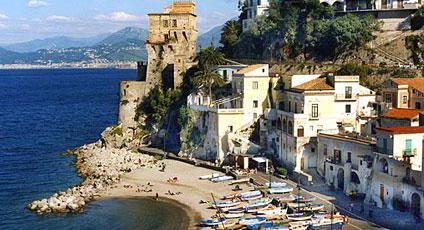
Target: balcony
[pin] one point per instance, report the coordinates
(346, 97)
(409, 153)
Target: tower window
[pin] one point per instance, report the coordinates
(165, 23)
(174, 23)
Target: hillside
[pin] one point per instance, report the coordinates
(213, 37)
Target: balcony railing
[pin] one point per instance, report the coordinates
(346, 97)
(409, 152)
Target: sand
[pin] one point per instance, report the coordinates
(191, 188)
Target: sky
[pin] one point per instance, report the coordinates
(24, 20)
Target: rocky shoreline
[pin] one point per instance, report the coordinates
(101, 164)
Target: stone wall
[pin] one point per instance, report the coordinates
(131, 95)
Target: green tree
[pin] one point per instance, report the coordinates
(208, 78)
(209, 57)
(230, 36)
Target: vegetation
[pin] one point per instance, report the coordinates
(292, 32)
(417, 20)
(191, 135)
(117, 131)
(415, 43)
(282, 171)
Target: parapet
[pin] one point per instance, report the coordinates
(181, 7)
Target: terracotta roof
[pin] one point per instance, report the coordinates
(250, 68)
(403, 129)
(417, 83)
(403, 113)
(316, 84)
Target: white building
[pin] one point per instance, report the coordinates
(253, 9)
(401, 117)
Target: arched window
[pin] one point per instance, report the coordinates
(284, 125)
(279, 123)
(384, 166)
(290, 131)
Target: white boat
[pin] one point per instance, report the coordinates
(224, 204)
(272, 211)
(208, 177)
(233, 215)
(287, 199)
(299, 216)
(221, 179)
(240, 181)
(275, 184)
(304, 207)
(252, 198)
(213, 222)
(250, 194)
(257, 209)
(227, 225)
(316, 222)
(281, 190)
(252, 221)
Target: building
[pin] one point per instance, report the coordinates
(171, 48)
(311, 104)
(252, 10)
(227, 71)
(403, 93)
(345, 160)
(401, 117)
(231, 121)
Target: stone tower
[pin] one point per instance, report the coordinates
(171, 45)
(171, 49)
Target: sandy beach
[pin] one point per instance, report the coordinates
(191, 188)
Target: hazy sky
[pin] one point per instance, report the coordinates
(22, 20)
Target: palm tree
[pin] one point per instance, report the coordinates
(230, 35)
(208, 78)
(210, 56)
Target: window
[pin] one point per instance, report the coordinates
(290, 131)
(325, 150)
(312, 149)
(166, 36)
(405, 99)
(417, 105)
(388, 98)
(289, 107)
(408, 147)
(255, 104)
(284, 125)
(251, 2)
(230, 128)
(259, 2)
(174, 23)
(349, 157)
(348, 108)
(255, 85)
(263, 70)
(255, 115)
(225, 73)
(295, 107)
(315, 110)
(281, 105)
(165, 23)
(348, 92)
(300, 131)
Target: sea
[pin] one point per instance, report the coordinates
(44, 112)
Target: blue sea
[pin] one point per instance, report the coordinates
(42, 114)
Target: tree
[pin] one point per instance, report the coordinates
(208, 78)
(210, 56)
(230, 36)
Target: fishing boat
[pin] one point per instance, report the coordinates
(312, 208)
(240, 181)
(275, 184)
(252, 221)
(233, 209)
(224, 204)
(250, 194)
(229, 224)
(221, 179)
(256, 209)
(287, 199)
(273, 226)
(213, 222)
(233, 215)
(315, 222)
(260, 202)
(280, 190)
(272, 211)
(251, 198)
(306, 199)
(208, 177)
(299, 216)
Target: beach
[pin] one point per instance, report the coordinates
(192, 190)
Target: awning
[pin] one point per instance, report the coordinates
(260, 159)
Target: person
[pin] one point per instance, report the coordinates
(157, 196)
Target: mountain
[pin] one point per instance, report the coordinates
(213, 36)
(128, 33)
(61, 42)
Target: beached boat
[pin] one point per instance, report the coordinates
(252, 221)
(221, 179)
(273, 226)
(316, 222)
(240, 181)
(224, 204)
(208, 177)
(229, 224)
(212, 222)
(287, 199)
(305, 207)
(233, 215)
(306, 199)
(299, 216)
(275, 184)
(235, 209)
(251, 198)
(250, 194)
(260, 202)
(280, 190)
(272, 211)
(256, 209)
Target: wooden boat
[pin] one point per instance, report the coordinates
(272, 211)
(234, 209)
(252, 221)
(306, 199)
(233, 215)
(257, 209)
(257, 203)
(299, 216)
(227, 225)
(280, 190)
(212, 222)
(273, 226)
(316, 222)
(275, 184)
(208, 177)
(240, 181)
(312, 208)
(250, 194)
(250, 198)
(221, 179)
(224, 204)
(287, 199)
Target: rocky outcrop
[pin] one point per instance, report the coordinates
(101, 164)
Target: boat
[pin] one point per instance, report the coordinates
(273, 226)
(221, 179)
(299, 216)
(224, 204)
(272, 211)
(229, 224)
(240, 181)
(280, 190)
(316, 222)
(306, 199)
(287, 199)
(250, 194)
(208, 177)
(252, 221)
(304, 207)
(258, 203)
(213, 222)
(233, 209)
(256, 209)
(251, 198)
(233, 215)
(275, 184)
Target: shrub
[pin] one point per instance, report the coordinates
(117, 131)
(282, 171)
(417, 20)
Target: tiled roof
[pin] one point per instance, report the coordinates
(316, 84)
(250, 68)
(403, 113)
(403, 129)
(417, 83)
